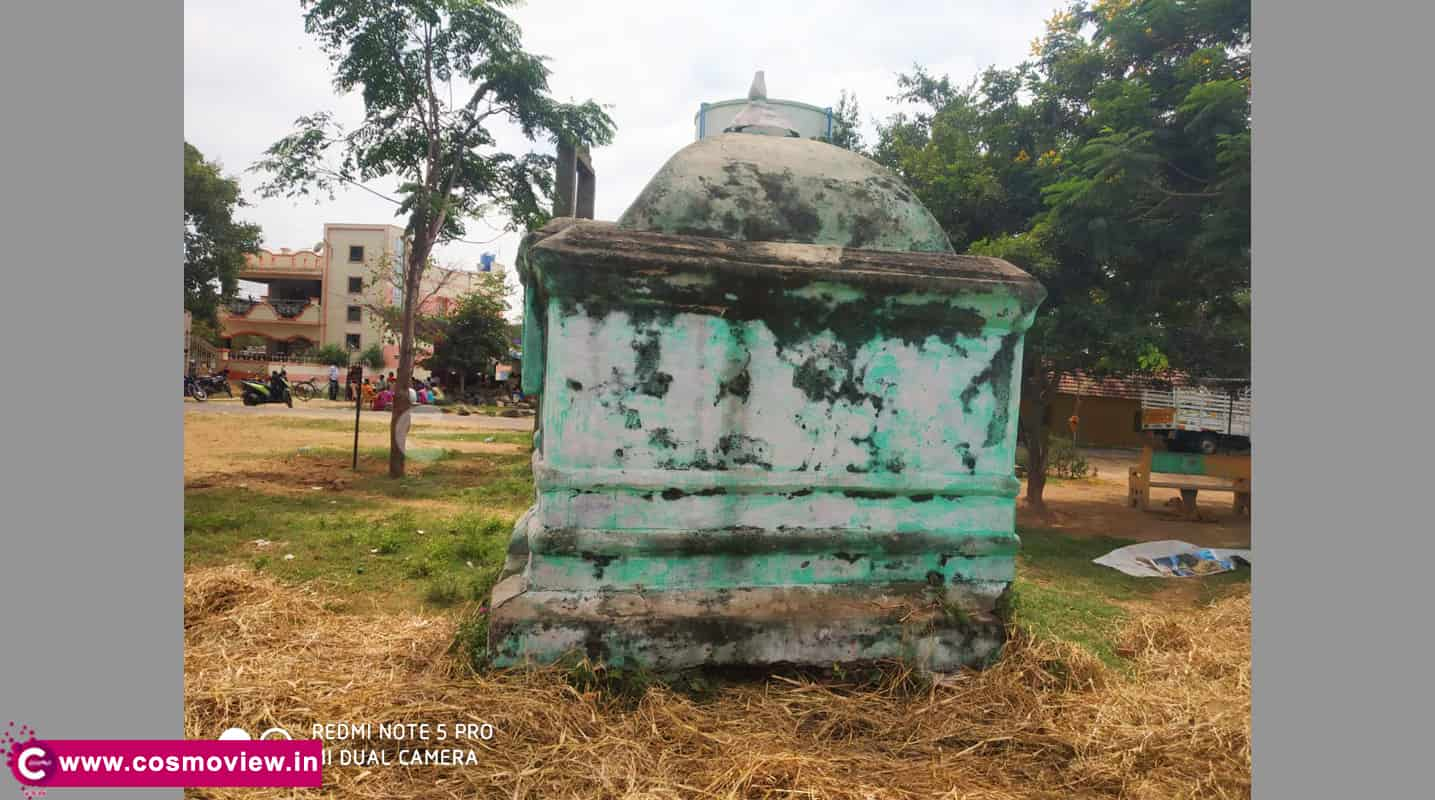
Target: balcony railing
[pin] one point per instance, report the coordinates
(303, 262)
(267, 310)
(289, 309)
(261, 355)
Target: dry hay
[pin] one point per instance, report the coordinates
(1049, 721)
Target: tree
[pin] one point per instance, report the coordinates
(846, 124)
(475, 333)
(410, 59)
(333, 354)
(372, 357)
(1115, 167)
(384, 279)
(215, 244)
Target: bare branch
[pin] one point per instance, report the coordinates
(448, 275)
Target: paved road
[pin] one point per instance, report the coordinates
(429, 416)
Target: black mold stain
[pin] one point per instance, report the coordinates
(829, 385)
(662, 437)
(732, 169)
(700, 462)
(744, 450)
(997, 374)
(920, 498)
(850, 558)
(866, 494)
(631, 420)
(894, 464)
(864, 231)
(797, 218)
(650, 381)
(969, 459)
(739, 385)
(599, 562)
(575, 385)
(934, 578)
(678, 494)
(799, 493)
(804, 565)
(618, 453)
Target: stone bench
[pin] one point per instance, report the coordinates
(1190, 474)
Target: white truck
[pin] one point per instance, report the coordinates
(1199, 419)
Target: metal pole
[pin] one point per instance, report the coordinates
(358, 405)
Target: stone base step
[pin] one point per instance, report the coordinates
(939, 631)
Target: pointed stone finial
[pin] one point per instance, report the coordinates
(758, 117)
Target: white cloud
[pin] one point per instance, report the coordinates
(250, 70)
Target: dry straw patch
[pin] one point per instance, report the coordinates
(1049, 721)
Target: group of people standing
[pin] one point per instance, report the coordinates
(380, 394)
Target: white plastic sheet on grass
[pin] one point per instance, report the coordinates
(1172, 559)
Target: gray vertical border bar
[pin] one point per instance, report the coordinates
(1343, 465)
(91, 560)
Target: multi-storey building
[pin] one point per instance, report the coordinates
(331, 294)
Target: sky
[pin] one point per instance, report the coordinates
(250, 70)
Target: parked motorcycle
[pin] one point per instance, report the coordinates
(192, 388)
(258, 392)
(216, 382)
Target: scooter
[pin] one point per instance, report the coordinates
(258, 392)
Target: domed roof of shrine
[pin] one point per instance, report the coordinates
(772, 186)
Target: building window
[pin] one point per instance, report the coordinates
(351, 341)
(356, 285)
(355, 314)
(356, 253)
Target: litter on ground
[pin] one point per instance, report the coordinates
(1172, 559)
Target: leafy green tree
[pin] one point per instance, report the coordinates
(433, 74)
(214, 242)
(372, 357)
(1115, 167)
(846, 124)
(333, 354)
(475, 333)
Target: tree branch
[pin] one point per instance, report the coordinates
(1158, 187)
(346, 179)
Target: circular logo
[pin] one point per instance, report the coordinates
(34, 763)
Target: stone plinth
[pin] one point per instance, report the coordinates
(758, 451)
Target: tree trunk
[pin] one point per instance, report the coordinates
(1036, 391)
(413, 274)
(463, 386)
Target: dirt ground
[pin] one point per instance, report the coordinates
(1096, 506)
(256, 450)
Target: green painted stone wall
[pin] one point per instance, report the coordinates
(834, 433)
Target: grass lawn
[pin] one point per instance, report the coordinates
(1059, 593)
(436, 539)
